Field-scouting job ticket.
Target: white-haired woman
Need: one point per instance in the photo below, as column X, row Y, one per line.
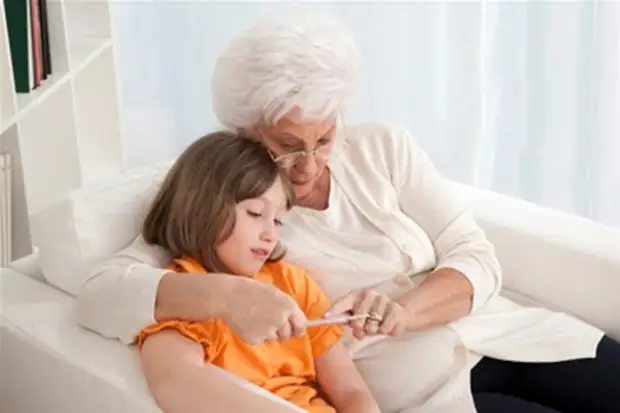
column 384, row 233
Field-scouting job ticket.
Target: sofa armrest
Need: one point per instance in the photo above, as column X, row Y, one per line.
column 97, row 367
column 554, row 259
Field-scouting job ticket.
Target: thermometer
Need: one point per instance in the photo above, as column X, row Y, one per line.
column 336, row 320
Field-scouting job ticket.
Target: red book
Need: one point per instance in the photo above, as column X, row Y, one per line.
column 37, row 48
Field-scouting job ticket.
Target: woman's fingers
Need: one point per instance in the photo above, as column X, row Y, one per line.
column 395, row 322
column 385, row 316
column 376, row 315
column 298, row 324
column 271, row 337
column 389, row 321
column 293, row 326
column 363, row 304
column 270, row 310
column 342, row 306
column 285, row 331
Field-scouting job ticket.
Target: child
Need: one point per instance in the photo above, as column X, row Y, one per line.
column 219, row 210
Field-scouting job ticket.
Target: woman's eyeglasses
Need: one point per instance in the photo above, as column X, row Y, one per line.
column 288, row 160
column 322, row 152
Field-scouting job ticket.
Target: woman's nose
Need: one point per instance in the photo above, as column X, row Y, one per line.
column 307, row 164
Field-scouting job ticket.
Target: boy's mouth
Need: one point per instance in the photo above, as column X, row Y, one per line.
column 260, row 253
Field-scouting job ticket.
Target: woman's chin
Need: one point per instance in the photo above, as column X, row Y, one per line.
column 303, row 190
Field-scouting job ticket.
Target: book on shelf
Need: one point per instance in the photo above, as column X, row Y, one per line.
column 29, row 43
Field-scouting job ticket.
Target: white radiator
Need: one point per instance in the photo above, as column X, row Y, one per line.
column 5, row 210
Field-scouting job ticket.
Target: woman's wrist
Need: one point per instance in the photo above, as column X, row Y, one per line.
column 413, row 313
column 444, row 296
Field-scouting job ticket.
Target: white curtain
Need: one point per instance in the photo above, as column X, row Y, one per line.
column 519, row 97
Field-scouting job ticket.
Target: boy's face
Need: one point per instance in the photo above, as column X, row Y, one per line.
column 256, row 232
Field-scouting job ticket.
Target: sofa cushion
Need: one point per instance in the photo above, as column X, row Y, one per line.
column 91, row 224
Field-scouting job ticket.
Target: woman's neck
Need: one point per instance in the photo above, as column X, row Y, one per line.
column 318, row 199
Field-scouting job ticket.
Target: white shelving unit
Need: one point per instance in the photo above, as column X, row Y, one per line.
column 67, row 132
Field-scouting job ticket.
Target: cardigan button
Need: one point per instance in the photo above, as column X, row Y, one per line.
column 402, row 280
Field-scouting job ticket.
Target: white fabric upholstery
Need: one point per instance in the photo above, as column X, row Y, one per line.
column 71, row 369
column 91, row 224
column 561, row 261
column 547, row 257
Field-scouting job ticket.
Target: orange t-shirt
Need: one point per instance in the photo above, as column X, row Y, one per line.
column 283, row 368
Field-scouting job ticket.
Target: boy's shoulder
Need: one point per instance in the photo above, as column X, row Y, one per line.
column 288, row 276
column 283, row 269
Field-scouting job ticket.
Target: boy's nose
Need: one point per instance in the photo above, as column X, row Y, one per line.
column 268, row 234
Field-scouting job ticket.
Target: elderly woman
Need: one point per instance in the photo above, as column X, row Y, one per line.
column 383, row 232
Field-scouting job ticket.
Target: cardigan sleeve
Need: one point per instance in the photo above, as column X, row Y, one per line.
column 118, row 299
column 433, row 202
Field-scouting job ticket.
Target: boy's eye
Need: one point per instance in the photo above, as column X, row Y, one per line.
column 278, row 222
column 253, row 214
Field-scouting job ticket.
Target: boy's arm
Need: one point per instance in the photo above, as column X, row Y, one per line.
column 181, row 382
column 336, row 373
column 342, row 382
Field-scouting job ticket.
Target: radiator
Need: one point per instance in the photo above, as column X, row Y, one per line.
column 5, row 210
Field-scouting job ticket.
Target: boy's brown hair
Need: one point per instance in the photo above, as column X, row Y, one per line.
column 193, row 210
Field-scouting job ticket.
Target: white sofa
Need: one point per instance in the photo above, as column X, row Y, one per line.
column 49, row 364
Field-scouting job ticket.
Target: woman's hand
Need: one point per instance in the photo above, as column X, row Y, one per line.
column 387, row 317
column 254, row 311
column 259, row 312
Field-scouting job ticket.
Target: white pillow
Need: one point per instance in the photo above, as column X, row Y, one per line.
column 91, row 224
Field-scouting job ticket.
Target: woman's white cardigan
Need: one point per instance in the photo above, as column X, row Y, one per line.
column 383, row 171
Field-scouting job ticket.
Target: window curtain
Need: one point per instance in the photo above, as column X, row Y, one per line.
column 522, row 98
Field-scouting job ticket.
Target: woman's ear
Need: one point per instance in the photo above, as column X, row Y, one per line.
column 278, row 253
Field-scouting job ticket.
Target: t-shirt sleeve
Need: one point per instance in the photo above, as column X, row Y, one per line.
column 205, row 333
column 314, row 303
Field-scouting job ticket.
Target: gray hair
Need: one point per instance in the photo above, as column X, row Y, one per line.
column 295, row 60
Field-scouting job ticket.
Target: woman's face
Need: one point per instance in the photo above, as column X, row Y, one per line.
column 256, row 232
column 301, row 147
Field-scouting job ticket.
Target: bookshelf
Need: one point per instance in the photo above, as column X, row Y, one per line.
column 66, row 132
